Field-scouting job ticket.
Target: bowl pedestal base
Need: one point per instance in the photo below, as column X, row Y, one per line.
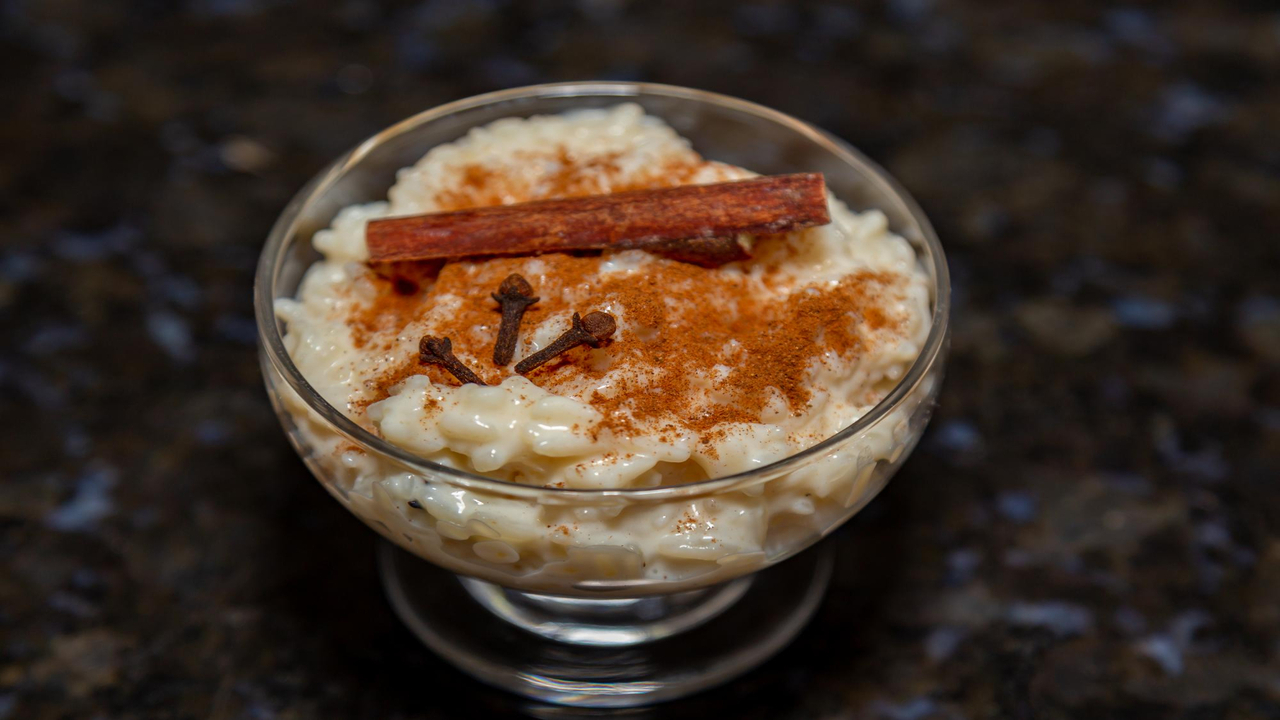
column 607, row 652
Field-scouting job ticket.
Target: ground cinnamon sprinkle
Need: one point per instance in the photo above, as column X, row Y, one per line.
column 567, row 176
column 776, row 342
column 696, row 348
column 395, row 299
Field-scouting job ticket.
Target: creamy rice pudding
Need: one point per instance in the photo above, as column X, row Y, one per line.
column 711, row 370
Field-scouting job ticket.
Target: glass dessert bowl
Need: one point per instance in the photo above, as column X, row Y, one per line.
column 613, row 592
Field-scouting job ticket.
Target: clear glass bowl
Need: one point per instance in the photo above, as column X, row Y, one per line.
column 495, row 533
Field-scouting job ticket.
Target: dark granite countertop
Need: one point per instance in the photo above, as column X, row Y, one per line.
column 1090, row 529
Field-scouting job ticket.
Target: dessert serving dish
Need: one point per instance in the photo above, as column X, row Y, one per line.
column 595, row 359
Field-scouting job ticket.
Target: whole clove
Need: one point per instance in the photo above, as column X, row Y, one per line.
column 439, row 351
column 593, row 330
column 514, row 296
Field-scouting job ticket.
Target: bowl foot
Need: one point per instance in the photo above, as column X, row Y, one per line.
column 609, row 652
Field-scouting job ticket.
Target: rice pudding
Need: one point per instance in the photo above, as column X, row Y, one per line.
column 711, row 371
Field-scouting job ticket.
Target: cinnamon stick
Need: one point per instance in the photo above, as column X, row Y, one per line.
column 707, row 252
column 694, row 223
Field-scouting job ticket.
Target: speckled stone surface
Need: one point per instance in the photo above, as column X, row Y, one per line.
column 1090, row 528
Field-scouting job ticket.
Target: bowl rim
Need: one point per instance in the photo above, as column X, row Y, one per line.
column 271, row 341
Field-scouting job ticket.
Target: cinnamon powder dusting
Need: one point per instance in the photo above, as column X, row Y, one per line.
column 395, row 299
column 565, row 175
column 696, row 347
